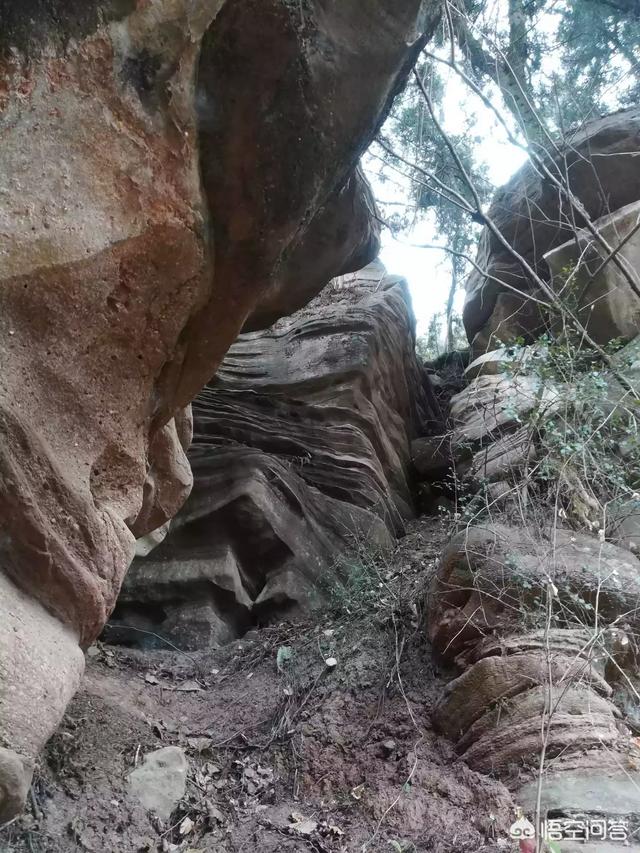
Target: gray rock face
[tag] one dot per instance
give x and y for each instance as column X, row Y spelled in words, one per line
column 487, row 605
column 486, row 612
column 161, row 780
column 431, row 457
column 174, row 170
column 598, row 161
column 494, row 404
column 606, row 301
column 301, row 442
column 614, row 793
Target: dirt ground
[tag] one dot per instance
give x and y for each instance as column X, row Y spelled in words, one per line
column 286, row 753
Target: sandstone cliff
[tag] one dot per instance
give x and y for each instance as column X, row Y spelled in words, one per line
column 172, row 171
column 301, row 446
column 535, row 215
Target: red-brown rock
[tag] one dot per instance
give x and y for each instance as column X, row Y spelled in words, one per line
column 170, row 171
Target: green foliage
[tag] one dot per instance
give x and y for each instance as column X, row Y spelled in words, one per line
column 572, row 59
column 415, row 137
column 354, row 585
column 600, row 57
column 434, row 342
column 588, row 439
column 547, row 66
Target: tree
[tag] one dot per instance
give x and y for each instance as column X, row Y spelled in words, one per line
column 600, row 65
column 435, row 180
column 554, row 63
column 540, row 66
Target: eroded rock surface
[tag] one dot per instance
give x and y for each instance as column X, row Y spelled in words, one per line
column 536, row 623
column 536, row 598
column 301, row 445
column 536, row 218
column 172, row 171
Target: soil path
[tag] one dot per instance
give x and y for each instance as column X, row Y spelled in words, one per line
column 285, row 752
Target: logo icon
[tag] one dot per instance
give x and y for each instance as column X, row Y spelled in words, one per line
column 522, row 828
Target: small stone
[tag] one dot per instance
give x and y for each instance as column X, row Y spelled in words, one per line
column 161, row 780
column 189, row 687
column 388, row 747
column 186, row 826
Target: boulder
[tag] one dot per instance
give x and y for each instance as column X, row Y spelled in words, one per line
column 612, row 792
column 431, row 457
column 490, row 576
column 513, row 318
column 495, row 404
column 501, row 360
column 596, row 160
column 301, row 453
column 40, row 669
column 606, row 298
column 493, row 711
column 623, row 523
column 525, row 617
column 503, row 459
column 173, row 170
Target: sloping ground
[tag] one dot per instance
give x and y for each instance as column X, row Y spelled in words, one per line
column 301, row 441
column 295, row 757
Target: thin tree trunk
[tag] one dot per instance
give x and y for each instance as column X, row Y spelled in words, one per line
column 449, row 315
column 508, row 72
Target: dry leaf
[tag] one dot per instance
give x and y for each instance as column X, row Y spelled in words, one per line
column 214, row 813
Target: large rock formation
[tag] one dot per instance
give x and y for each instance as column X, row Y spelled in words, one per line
column 541, row 625
column 535, row 217
column 531, row 601
column 172, row 170
column 301, row 444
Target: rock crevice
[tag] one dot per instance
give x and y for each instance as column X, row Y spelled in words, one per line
column 301, row 447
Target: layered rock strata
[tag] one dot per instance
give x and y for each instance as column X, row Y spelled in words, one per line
column 539, row 618
column 172, row 170
column 300, row 452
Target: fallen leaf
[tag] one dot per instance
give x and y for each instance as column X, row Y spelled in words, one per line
column 214, row 813
column 199, row 743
